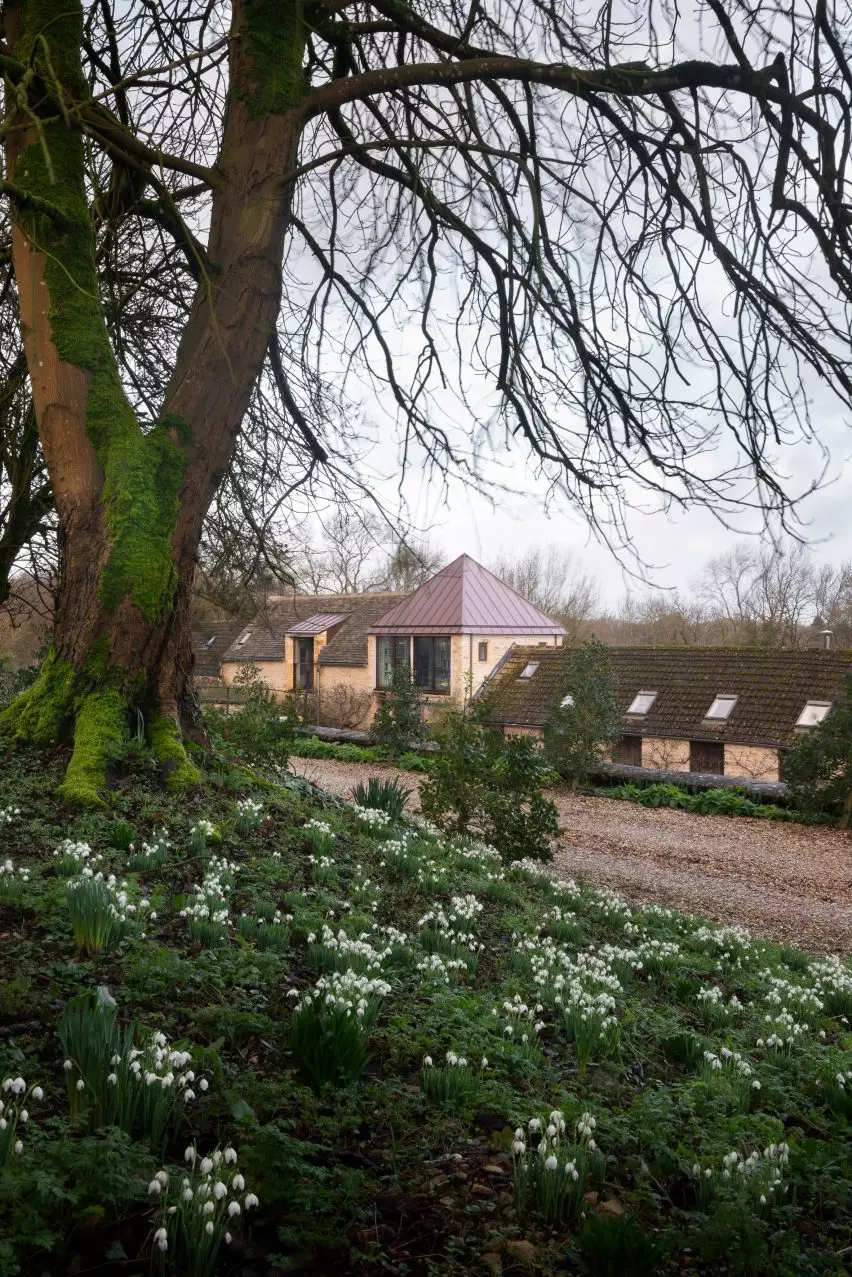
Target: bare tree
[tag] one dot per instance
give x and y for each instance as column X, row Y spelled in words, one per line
column 766, row 594
column 555, row 581
column 549, row 192
column 832, row 599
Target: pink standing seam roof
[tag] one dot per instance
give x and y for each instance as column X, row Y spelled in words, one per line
column 465, row 598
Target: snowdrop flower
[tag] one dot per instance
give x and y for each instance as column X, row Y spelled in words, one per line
column 187, row 1194
column 81, row 1085
column 208, row 1208
column 484, row 1063
column 220, row 1190
column 203, row 1084
column 519, row 1148
column 112, row 1078
column 227, row 1239
column 68, row 1066
column 24, row 1116
column 250, row 1200
column 206, row 1165
column 155, row 1187
column 161, row 1237
column 38, row 1093
column 233, row 1209
column 551, row 1163
column 230, row 1155
column 3, row 1123
column 163, row 1178
column 189, row 1153
column 238, row 1183
column 208, row 1228
column 427, row 1060
column 188, row 1095
column 19, row 1148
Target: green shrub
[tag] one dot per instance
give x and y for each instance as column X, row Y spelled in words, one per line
column 819, row 766
column 481, row 781
column 383, row 795
column 399, row 718
column 618, row 1247
column 586, row 720
column 723, row 801
column 261, row 733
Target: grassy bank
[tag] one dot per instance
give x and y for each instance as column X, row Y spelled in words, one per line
column 688, row 1082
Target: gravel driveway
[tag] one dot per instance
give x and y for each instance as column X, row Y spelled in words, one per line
column 788, row 882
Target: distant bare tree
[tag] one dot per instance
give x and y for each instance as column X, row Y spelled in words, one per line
column 554, row 580
column 410, row 564
column 766, row 594
column 833, row 602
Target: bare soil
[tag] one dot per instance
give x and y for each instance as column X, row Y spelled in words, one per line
column 790, row 882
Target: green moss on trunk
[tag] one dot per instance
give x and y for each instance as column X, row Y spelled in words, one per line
column 142, row 472
column 99, row 739
column 38, row 716
column 276, row 37
column 170, row 752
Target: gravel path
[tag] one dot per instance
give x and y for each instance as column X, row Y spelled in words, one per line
column 788, row 882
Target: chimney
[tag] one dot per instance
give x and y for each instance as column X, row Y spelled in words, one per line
column 826, row 636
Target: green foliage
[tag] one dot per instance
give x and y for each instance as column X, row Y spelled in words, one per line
column 260, row 734
column 313, row 747
column 484, row 782
column 329, row 1043
column 819, row 766
column 618, row 1247
column 582, row 727
column 14, row 681
column 383, row 795
column 707, row 802
column 398, row 721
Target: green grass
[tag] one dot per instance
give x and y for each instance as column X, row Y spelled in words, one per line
column 362, row 1163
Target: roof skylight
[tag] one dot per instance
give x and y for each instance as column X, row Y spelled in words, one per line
column 529, row 669
column 244, row 638
column 721, row 707
column 211, row 641
column 642, row 702
column 813, row 713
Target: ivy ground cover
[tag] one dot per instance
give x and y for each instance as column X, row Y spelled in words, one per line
column 260, row 1031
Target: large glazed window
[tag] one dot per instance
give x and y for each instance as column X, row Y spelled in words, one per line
column 390, row 651
column 432, row 664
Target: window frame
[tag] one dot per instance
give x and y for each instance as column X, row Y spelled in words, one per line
column 824, row 705
column 482, row 647
column 396, row 640
column 641, row 713
column 303, row 669
column 532, row 666
column 430, row 687
column 722, row 696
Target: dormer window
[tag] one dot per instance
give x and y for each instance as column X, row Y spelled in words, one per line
column 813, row 713
column 721, row 708
column 642, row 702
column 529, row 669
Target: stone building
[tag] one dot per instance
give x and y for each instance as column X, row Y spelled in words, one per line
column 719, row 711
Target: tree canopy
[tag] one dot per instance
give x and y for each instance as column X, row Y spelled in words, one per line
column 624, row 236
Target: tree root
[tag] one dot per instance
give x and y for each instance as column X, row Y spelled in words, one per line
column 100, row 737
column 40, row 713
column 169, row 750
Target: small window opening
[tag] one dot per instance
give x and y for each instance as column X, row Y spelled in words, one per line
column 813, row 713
column 483, row 651
column 642, row 702
column 721, row 707
column 529, row 670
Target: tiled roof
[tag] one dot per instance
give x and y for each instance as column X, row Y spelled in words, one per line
column 771, row 687
column 465, row 598
column 210, row 644
column 348, row 646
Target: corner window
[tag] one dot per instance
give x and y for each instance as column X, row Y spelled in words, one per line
column 721, row 707
column 483, row 651
column 813, row 713
column 390, row 652
column 529, row 670
column 642, row 702
column 432, row 664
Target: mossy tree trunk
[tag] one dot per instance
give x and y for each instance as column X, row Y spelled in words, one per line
column 131, row 504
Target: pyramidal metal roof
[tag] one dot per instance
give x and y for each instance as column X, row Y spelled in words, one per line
column 465, row 598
